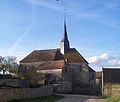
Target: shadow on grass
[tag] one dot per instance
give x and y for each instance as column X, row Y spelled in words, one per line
column 40, row 99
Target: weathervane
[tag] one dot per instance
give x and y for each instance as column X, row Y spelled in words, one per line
column 65, row 14
column 64, row 9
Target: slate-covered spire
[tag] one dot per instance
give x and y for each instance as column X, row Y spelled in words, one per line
column 64, row 42
column 65, row 37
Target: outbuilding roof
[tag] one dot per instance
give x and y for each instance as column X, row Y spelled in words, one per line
column 111, row 75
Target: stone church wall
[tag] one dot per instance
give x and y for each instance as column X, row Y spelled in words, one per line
column 67, row 78
column 75, row 77
column 92, row 83
column 54, row 76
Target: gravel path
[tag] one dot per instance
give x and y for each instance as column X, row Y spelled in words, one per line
column 80, row 98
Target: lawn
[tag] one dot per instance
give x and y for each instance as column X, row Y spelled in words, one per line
column 40, row 99
column 110, row 99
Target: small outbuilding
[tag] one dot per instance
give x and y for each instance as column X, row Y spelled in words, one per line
column 111, row 82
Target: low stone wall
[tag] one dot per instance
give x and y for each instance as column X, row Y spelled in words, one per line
column 112, row 90
column 15, row 83
column 21, row 93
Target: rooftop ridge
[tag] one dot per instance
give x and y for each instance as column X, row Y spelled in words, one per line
column 111, row 68
column 47, row 49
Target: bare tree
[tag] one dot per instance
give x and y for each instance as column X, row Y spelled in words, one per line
column 2, row 67
column 8, row 64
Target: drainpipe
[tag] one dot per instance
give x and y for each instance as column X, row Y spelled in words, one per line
column 102, row 83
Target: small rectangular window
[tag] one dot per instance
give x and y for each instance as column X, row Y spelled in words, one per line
column 66, row 69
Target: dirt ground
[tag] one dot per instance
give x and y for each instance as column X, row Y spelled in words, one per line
column 80, row 98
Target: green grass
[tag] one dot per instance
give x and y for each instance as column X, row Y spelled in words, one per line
column 110, row 99
column 103, row 97
column 40, row 99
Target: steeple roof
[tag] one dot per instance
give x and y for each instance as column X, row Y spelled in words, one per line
column 64, row 42
column 65, row 36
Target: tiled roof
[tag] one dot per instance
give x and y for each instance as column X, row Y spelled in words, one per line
column 43, row 55
column 48, row 65
column 111, row 75
column 73, row 56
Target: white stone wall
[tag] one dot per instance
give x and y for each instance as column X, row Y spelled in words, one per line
column 54, row 71
column 62, row 48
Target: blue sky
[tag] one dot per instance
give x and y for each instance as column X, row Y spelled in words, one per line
column 93, row 28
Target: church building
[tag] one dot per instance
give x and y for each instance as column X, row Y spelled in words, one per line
column 63, row 66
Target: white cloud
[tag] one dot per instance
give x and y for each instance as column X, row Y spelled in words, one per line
column 104, row 60
column 104, row 56
column 93, row 59
column 96, row 59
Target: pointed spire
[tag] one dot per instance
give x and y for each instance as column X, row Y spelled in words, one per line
column 65, row 31
column 64, row 42
column 65, row 37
